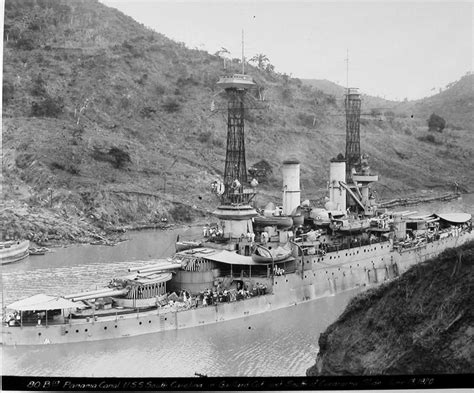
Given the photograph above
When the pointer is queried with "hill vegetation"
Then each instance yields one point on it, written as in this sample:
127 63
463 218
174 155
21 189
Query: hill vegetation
114 121
421 323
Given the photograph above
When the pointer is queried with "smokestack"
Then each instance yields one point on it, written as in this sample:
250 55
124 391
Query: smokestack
337 194
291 186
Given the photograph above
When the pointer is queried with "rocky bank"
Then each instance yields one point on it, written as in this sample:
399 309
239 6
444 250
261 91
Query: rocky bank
421 323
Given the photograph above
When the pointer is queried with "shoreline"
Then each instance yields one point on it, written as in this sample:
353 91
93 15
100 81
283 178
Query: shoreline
53 228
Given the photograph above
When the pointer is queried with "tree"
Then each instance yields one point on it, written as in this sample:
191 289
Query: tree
261 60
436 123
221 53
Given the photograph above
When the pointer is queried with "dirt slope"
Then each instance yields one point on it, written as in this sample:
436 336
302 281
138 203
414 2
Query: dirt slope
421 323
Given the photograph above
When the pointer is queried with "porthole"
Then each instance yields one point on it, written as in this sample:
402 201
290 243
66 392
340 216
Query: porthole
140 322
105 327
149 321
66 331
39 334
167 318
85 330
115 326
77 330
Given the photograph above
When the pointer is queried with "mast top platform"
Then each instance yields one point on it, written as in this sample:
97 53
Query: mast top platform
236 81
353 92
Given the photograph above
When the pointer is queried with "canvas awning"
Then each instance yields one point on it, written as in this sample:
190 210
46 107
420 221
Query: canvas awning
229 257
455 218
43 302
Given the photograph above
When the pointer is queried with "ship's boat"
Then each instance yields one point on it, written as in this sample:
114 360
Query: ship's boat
186 245
350 226
265 255
278 221
13 251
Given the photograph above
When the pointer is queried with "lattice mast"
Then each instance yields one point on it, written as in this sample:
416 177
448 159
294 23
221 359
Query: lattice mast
235 171
352 106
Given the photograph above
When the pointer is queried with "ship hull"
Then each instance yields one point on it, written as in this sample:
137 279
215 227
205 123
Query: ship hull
14 253
321 276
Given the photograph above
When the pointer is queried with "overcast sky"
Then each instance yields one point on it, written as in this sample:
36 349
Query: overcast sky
396 49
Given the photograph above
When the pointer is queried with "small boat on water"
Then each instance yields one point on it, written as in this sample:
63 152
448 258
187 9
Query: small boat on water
38 250
264 254
13 251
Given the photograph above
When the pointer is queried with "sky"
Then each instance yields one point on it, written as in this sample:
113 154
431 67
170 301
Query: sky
397 49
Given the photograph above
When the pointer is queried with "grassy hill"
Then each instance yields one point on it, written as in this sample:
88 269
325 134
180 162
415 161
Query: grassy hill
421 323
369 102
455 104
112 120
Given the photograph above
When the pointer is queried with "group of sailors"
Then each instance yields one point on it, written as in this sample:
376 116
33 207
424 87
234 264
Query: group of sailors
250 236
213 231
208 297
278 271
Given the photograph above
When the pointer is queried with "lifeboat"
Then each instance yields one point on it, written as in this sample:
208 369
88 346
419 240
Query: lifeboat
264 255
282 222
186 245
346 226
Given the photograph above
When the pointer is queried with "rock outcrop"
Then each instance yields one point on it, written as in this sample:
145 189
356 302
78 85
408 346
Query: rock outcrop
421 323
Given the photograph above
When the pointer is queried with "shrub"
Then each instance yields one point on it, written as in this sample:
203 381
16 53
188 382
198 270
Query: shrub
171 105
25 44
160 89
48 107
181 213
147 112
430 139
436 123
57 165
286 94
38 88
8 91
120 157
205 137
331 99
306 120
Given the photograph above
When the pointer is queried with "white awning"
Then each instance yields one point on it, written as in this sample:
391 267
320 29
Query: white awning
43 302
455 218
230 258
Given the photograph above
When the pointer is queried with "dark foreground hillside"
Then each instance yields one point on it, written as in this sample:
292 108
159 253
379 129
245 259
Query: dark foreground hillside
421 323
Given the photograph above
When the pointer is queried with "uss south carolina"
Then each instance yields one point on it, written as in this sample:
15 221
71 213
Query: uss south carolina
251 261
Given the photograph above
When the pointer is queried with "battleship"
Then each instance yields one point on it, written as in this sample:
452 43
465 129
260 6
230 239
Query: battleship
251 261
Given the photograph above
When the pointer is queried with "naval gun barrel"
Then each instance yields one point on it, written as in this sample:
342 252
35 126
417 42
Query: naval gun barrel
157 268
87 293
114 292
156 262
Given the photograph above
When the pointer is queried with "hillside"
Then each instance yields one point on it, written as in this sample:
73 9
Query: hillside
110 122
455 104
369 102
421 323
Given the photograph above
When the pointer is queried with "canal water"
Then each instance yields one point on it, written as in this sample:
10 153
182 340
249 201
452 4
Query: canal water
284 342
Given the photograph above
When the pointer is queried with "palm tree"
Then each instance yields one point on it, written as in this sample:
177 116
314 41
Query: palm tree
261 60
220 52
